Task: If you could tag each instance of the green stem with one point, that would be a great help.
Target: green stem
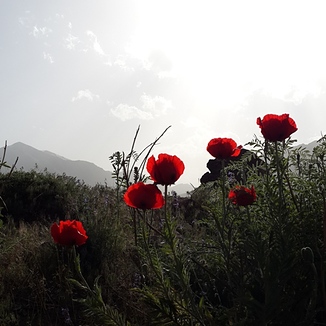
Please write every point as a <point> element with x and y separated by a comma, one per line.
<point>181,272</point>
<point>267,174</point>
<point>76,262</point>
<point>279,178</point>
<point>223,198</point>
<point>135,226</point>
<point>146,228</point>
<point>165,200</point>
<point>248,215</point>
<point>313,299</point>
<point>295,202</point>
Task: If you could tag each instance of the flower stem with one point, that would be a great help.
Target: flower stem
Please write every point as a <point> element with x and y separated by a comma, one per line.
<point>165,201</point>
<point>248,214</point>
<point>135,226</point>
<point>223,197</point>
<point>76,261</point>
<point>279,180</point>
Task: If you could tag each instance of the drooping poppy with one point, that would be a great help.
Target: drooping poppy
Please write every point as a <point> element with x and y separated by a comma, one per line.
<point>69,233</point>
<point>166,170</point>
<point>276,127</point>
<point>242,196</point>
<point>223,148</point>
<point>143,196</point>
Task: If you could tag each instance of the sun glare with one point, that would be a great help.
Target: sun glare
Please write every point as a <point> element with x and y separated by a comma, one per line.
<point>233,50</point>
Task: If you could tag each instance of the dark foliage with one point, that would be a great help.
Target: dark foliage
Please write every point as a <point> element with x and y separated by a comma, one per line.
<point>234,172</point>
<point>200,261</point>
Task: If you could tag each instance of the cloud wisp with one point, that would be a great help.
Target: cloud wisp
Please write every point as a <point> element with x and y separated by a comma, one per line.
<point>41,31</point>
<point>151,108</point>
<point>48,57</point>
<point>96,45</point>
<point>127,112</point>
<point>71,42</point>
<point>85,94</point>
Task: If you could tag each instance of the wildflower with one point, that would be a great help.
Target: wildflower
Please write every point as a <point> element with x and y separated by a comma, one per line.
<point>223,148</point>
<point>140,195</point>
<point>69,233</point>
<point>166,170</point>
<point>242,196</point>
<point>276,127</point>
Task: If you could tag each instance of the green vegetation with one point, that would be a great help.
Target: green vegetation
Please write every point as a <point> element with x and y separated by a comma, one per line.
<point>203,262</point>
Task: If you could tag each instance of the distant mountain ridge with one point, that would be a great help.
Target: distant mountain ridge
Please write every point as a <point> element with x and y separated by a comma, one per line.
<point>309,146</point>
<point>31,158</point>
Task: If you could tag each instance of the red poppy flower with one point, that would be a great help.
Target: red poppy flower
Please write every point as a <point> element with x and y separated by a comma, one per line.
<point>276,127</point>
<point>69,233</point>
<point>166,170</point>
<point>140,195</point>
<point>223,148</point>
<point>242,196</point>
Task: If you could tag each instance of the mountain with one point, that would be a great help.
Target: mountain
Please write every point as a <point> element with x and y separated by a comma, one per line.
<point>309,146</point>
<point>30,158</point>
<point>181,189</point>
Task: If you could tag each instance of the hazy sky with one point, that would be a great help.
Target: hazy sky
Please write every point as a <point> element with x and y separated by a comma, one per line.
<point>77,77</point>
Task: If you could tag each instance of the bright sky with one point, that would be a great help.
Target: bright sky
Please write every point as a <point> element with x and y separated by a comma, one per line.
<point>77,77</point>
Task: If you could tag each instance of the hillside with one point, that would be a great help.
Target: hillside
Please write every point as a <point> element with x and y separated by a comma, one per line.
<point>31,158</point>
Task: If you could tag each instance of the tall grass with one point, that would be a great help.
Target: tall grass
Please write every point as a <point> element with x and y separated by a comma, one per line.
<point>206,262</point>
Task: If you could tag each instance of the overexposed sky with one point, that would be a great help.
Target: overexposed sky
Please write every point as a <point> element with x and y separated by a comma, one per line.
<point>77,77</point>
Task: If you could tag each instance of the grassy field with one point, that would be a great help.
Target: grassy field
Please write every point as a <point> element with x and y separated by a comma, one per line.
<point>199,260</point>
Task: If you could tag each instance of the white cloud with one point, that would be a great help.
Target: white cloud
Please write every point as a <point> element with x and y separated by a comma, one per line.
<point>41,31</point>
<point>87,94</point>
<point>23,21</point>
<point>151,108</point>
<point>126,112</point>
<point>121,63</point>
<point>108,62</point>
<point>96,45</point>
<point>71,41</point>
<point>292,93</point>
<point>26,20</point>
<point>157,105</point>
<point>160,63</point>
<point>47,56</point>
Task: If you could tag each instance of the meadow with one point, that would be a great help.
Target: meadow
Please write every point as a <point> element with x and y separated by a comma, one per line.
<point>245,249</point>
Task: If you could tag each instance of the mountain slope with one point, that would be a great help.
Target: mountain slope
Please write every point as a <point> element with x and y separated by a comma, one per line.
<point>309,146</point>
<point>31,158</point>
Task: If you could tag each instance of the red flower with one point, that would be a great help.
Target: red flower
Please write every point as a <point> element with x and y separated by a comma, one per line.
<point>276,127</point>
<point>166,170</point>
<point>223,148</point>
<point>140,195</point>
<point>242,196</point>
<point>69,233</point>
